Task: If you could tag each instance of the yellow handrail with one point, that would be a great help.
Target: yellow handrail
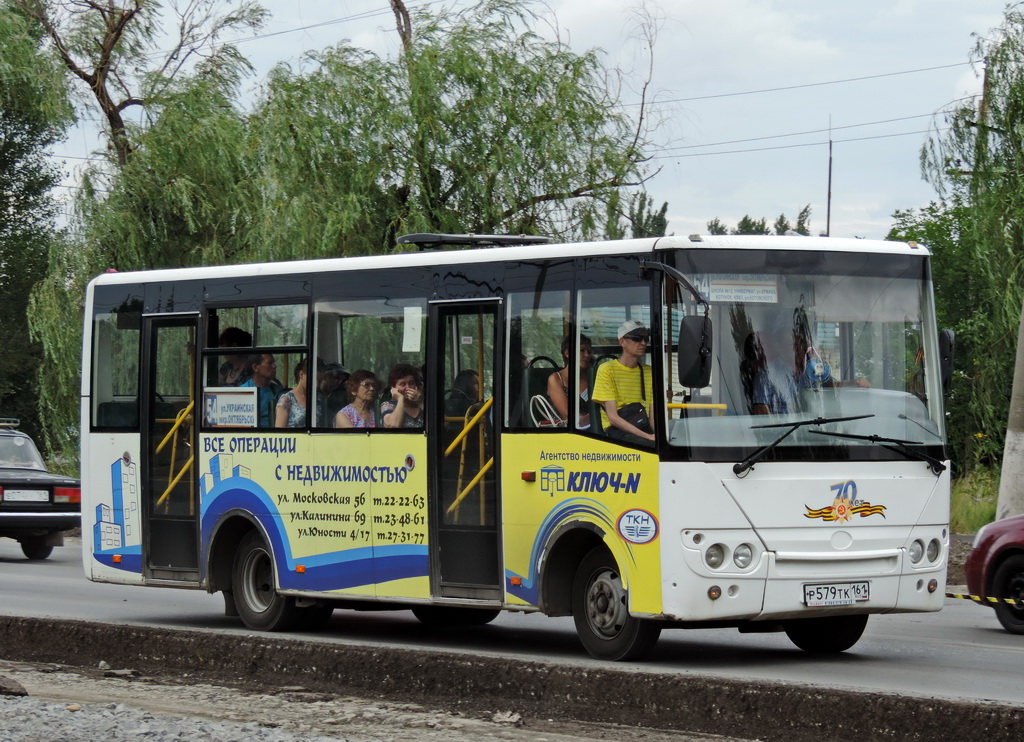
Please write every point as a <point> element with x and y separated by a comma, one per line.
<point>181,417</point>
<point>469,426</point>
<point>462,495</point>
<point>697,406</point>
<point>167,492</point>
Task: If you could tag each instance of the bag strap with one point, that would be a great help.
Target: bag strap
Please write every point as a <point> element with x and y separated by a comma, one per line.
<point>540,404</point>
<point>643,391</point>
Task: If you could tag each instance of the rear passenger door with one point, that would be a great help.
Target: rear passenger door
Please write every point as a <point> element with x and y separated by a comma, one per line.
<point>464,492</point>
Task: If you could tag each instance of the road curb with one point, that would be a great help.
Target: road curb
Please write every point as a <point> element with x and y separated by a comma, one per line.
<point>619,695</point>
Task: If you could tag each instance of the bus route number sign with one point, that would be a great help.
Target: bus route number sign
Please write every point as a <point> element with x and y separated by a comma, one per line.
<point>840,593</point>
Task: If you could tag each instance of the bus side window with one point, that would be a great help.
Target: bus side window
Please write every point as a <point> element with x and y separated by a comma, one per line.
<point>373,335</point>
<point>537,324</point>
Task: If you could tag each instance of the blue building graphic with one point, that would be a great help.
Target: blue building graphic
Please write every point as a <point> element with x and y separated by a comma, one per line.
<point>117,525</point>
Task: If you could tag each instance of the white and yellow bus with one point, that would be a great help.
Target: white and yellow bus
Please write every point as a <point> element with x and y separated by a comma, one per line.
<point>796,480</point>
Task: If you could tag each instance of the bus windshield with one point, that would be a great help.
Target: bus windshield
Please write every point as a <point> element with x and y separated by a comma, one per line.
<point>804,335</point>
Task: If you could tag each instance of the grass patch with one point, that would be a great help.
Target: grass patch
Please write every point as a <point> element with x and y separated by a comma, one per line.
<point>973,500</point>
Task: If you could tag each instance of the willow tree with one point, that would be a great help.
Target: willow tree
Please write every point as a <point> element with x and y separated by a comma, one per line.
<point>33,114</point>
<point>978,162</point>
<point>125,60</point>
<point>477,125</point>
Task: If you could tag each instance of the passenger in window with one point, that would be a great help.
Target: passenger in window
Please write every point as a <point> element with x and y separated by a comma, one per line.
<point>624,388</point>
<point>263,376</point>
<point>233,372</point>
<point>467,384</point>
<point>362,411</point>
<point>291,405</point>
<point>331,393</point>
<point>405,408</point>
<point>558,383</point>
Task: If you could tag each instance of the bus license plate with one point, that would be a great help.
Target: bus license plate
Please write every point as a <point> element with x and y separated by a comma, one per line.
<point>837,593</point>
<point>26,495</point>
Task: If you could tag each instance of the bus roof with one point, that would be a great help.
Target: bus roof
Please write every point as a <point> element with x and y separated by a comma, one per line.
<point>517,252</point>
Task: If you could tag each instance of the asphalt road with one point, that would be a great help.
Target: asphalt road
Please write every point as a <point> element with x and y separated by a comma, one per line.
<point>959,653</point>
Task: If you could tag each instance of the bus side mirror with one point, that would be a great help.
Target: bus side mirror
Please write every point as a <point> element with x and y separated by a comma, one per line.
<point>947,346</point>
<point>694,351</point>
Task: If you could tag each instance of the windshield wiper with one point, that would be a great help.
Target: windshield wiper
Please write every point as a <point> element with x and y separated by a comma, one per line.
<point>894,444</point>
<point>760,453</point>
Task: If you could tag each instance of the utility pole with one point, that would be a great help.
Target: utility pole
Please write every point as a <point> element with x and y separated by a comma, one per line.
<point>828,202</point>
<point>1011,476</point>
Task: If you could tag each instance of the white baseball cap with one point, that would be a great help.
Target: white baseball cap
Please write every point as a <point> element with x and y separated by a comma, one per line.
<point>631,326</point>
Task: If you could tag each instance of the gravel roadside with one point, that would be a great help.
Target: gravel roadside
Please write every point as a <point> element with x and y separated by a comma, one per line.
<point>75,705</point>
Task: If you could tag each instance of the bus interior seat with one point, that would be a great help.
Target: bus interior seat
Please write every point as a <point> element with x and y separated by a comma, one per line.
<point>535,381</point>
<point>118,414</point>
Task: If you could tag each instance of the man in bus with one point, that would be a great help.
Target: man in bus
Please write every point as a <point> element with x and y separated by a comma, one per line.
<point>624,388</point>
<point>263,376</point>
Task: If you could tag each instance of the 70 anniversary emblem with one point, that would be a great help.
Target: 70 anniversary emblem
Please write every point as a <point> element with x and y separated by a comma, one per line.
<point>845,506</point>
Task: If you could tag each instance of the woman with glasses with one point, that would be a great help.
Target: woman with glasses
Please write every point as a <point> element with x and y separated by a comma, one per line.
<point>558,383</point>
<point>361,412</point>
<point>624,388</point>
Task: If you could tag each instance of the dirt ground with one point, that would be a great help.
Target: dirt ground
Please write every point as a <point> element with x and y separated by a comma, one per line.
<point>299,710</point>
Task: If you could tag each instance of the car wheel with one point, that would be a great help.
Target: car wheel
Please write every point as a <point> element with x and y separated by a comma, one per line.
<point>1008,582</point>
<point>259,604</point>
<point>601,613</point>
<point>826,635</point>
<point>36,547</point>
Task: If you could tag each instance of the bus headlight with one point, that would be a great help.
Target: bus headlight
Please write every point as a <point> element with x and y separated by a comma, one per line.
<point>934,550</point>
<point>743,555</point>
<point>916,551</point>
<point>714,556</point>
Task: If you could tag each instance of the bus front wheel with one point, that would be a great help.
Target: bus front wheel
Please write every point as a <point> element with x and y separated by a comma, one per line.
<point>600,610</point>
<point>827,634</point>
<point>259,604</point>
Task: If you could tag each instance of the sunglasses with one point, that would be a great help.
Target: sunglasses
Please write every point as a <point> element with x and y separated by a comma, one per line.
<point>637,338</point>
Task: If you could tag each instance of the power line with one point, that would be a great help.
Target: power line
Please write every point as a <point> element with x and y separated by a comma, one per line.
<point>797,133</point>
<point>795,146</point>
<point>810,84</point>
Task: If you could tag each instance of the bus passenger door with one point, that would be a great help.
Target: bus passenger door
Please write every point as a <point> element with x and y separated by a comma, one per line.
<point>170,507</point>
<point>464,377</point>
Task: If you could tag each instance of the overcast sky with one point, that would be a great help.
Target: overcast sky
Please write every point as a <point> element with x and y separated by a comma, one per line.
<point>747,91</point>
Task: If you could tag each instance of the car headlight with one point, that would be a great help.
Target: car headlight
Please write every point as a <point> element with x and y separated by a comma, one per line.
<point>934,550</point>
<point>916,551</point>
<point>743,555</point>
<point>714,556</point>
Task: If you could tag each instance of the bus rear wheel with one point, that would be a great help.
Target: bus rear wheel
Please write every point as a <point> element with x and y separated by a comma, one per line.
<point>600,610</point>
<point>259,604</point>
<point>826,635</point>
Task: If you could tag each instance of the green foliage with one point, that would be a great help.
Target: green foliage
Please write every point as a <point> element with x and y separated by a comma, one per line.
<point>640,218</point>
<point>33,110</point>
<point>977,166</point>
<point>749,225</point>
<point>973,500</point>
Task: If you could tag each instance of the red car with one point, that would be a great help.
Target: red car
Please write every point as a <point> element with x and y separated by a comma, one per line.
<point>995,569</point>
<point>36,506</point>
